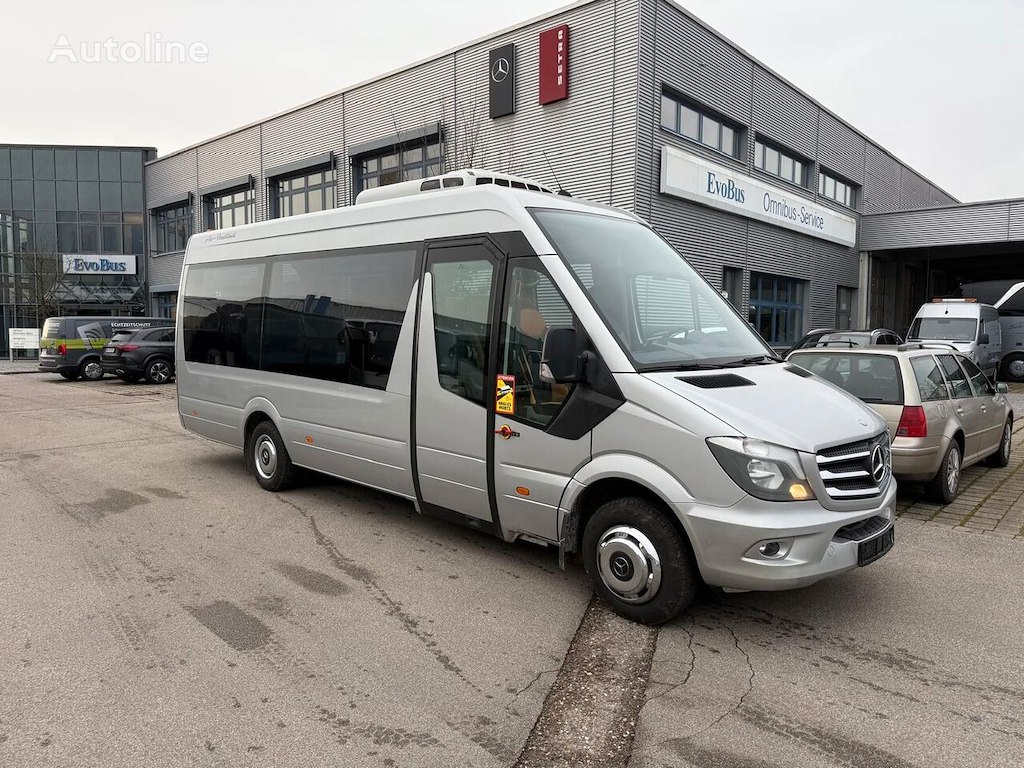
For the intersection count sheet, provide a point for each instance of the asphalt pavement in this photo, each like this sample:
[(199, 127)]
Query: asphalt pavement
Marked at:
[(158, 608)]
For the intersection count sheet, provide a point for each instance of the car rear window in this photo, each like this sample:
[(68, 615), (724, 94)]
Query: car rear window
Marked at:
[(872, 378), (51, 329)]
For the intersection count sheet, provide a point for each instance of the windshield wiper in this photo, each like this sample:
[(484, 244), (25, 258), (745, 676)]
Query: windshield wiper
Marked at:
[(754, 360)]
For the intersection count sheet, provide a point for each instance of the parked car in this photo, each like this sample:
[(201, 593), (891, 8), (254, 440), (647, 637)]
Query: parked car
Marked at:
[(826, 337), (148, 353), (72, 345), (942, 412)]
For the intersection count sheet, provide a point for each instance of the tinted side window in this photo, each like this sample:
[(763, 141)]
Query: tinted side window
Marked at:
[(462, 292), (336, 315), (221, 313), (979, 381), (956, 376), (930, 383)]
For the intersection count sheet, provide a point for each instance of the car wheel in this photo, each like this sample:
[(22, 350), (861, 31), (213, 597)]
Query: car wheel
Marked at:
[(946, 483), (270, 459), (69, 375), (638, 561), (129, 378), (1013, 368), (1002, 456), (159, 371), (91, 370)]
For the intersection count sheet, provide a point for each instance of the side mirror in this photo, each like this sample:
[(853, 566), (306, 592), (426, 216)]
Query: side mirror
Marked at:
[(1001, 388), (983, 339), (560, 361)]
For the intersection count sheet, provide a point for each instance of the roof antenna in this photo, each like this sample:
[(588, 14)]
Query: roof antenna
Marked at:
[(561, 190)]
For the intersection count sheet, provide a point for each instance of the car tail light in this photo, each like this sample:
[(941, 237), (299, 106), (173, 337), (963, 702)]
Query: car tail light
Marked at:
[(127, 347), (62, 349), (913, 422)]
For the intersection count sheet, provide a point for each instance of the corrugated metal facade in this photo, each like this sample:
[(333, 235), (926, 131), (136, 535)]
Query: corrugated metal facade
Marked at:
[(603, 143), (994, 222)]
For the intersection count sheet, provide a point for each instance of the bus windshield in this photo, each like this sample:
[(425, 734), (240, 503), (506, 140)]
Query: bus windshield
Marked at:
[(944, 328), (664, 314)]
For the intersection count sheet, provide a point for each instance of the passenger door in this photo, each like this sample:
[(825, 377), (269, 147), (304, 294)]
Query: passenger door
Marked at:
[(455, 378), (965, 405), (991, 415), (534, 458)]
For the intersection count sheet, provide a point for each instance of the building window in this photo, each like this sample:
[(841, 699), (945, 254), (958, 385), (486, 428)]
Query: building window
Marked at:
[(306, 192), (831, 187), (166, 304), (231, 208), (777, 308), (172, 227), (695, 123), (780, 163), (408, 162)]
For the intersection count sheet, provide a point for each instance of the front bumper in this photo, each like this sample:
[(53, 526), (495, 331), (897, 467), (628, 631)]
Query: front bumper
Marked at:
[(725, 539)]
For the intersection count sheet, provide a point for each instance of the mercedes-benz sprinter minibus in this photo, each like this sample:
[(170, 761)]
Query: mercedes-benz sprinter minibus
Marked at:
[(538, 367)]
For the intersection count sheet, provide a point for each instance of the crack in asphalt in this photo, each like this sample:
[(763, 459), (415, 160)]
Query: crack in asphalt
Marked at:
[(392, 607), (686, 677)]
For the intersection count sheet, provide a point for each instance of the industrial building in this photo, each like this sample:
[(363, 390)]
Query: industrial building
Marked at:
[(778, 201)]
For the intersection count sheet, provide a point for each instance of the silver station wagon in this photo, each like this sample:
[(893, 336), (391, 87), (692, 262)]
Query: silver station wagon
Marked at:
[(942, 412)]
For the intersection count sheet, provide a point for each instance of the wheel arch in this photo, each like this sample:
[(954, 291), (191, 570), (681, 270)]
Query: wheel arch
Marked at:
[(615, 476), (257, 410)]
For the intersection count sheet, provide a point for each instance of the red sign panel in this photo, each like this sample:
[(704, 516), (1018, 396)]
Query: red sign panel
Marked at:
[(554, 64)]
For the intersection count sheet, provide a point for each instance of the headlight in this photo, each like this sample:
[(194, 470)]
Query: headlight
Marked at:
[(764, 470)]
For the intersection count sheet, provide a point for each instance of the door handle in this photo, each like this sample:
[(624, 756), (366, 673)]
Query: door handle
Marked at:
[(959, 411), (984, 409)]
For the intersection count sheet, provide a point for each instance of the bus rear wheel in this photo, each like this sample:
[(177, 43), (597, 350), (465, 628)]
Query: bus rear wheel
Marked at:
[(269, 458)]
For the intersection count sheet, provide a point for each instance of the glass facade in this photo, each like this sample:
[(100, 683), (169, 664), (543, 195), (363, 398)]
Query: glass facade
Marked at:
[(68, 201)]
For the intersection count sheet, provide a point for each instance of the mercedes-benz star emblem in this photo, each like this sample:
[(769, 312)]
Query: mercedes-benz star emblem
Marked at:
[(500, 70), (878, 464), (621, 567)]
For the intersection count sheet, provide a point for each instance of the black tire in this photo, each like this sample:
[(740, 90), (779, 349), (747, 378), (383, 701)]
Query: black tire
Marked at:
[(91, 370), (946, 483), (159, 371), (69, 375), (1012, 368), (614, 555), (266, 454), (1002, 455), (129, 378)]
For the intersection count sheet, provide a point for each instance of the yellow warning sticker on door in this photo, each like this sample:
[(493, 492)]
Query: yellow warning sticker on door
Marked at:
[(505, 401)]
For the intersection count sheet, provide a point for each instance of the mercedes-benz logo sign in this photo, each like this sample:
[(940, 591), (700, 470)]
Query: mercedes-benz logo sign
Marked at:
[(878, 463), (500, 70)]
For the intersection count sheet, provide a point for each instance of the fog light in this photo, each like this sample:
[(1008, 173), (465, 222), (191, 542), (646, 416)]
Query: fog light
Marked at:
[(800, 492), (770, 548)]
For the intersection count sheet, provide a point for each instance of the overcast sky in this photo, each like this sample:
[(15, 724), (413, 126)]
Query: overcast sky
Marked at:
[(940, 83)]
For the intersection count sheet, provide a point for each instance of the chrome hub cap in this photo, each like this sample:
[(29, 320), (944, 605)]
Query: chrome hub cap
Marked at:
[(265, 457), (1016, 369), (92, 370), (629, 564), (953, 471)]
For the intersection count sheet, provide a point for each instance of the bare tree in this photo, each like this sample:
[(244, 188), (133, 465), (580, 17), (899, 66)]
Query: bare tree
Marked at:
[(37, 284)]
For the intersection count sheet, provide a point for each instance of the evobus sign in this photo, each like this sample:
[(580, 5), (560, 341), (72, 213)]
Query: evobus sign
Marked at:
[(78, 264), (693, 178)]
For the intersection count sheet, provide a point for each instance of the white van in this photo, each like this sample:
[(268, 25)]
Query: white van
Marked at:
[(1007, 296), (538, 367), (965, 324)]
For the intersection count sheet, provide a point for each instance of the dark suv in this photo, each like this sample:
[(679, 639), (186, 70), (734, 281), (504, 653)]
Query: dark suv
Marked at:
[(148, 353)]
